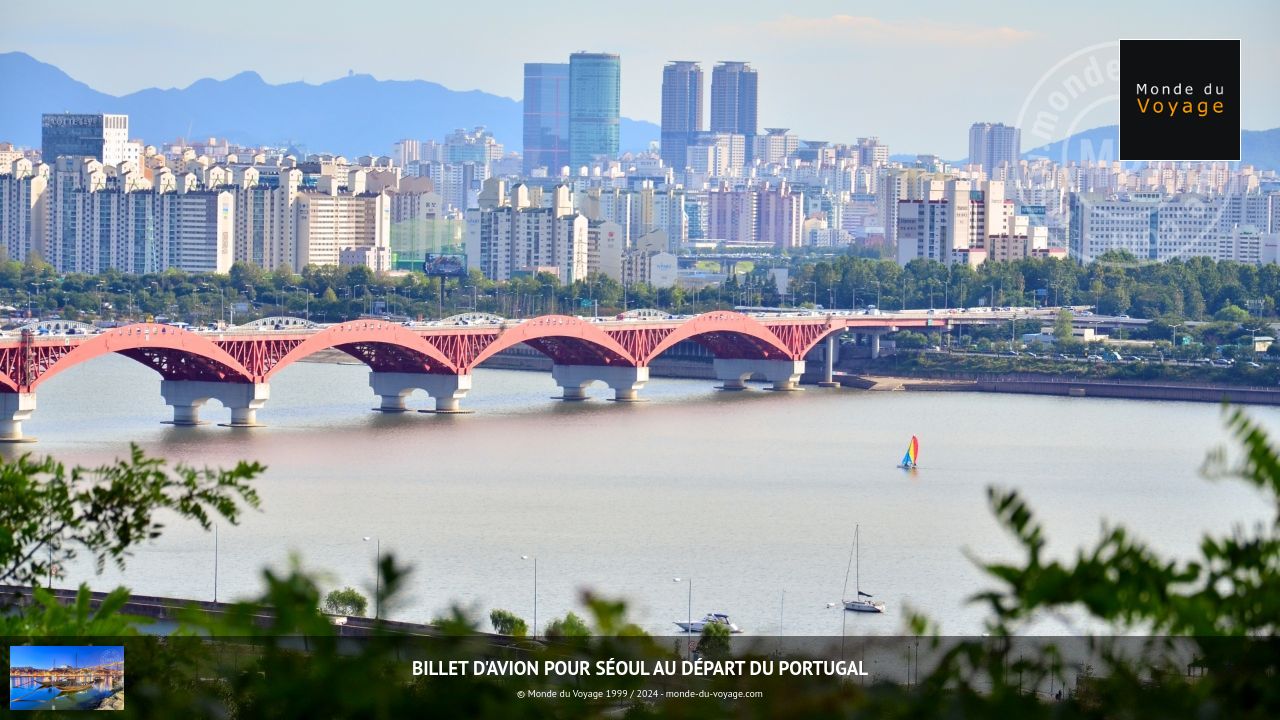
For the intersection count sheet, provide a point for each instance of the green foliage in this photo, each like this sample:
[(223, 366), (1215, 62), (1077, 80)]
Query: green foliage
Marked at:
[(506, 622), (958, 365), (1232, 314), (50, 515), (49, 617), (570, 626), (714, 641), (279, 656), (347, 601), (1063, 326)]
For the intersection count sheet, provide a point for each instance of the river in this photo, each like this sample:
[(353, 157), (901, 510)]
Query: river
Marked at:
[(754, 496)]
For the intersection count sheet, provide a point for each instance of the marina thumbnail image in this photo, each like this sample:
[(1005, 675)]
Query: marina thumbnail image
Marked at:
[(66, 677)]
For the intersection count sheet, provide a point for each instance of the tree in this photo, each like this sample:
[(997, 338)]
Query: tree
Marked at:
[(49, 515), (571, 626), (347, 601), (1063, 325), (714, 641), (1232, 313), (506, 622)]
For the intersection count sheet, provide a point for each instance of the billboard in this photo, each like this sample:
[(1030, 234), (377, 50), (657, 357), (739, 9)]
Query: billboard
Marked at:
[(445, 265)]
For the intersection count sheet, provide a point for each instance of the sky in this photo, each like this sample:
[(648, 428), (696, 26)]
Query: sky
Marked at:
[(45, 657), (916, 74)]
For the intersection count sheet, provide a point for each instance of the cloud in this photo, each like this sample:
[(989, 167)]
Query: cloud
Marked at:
[(871, 30)]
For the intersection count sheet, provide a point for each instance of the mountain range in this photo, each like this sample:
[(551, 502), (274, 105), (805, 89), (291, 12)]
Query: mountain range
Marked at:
[(345, 115), (353, 115), (1259, 148)]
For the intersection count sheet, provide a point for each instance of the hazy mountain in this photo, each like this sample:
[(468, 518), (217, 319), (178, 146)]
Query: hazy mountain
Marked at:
[(1259, 148), (353, 115)]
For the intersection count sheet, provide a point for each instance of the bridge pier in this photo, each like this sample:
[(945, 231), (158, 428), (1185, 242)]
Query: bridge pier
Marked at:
[(734, 372), (188, 396), (829, 362), (394, 388), (875, 345), (626, 381), (14, 409)]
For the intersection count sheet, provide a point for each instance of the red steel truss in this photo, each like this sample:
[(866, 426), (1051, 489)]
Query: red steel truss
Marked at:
[(254, 355)]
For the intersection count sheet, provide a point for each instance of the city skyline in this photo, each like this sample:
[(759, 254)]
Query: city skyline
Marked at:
[(815, 60)]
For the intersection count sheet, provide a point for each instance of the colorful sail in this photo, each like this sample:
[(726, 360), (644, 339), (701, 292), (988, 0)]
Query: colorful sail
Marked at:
[(913, 452)]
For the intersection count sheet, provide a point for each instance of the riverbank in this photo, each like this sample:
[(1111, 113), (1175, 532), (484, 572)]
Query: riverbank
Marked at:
[(114, 701), (893, 375)]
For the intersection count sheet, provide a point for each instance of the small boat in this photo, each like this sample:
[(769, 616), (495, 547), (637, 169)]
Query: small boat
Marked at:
[(913, 452), (708, 619), (858, 603), (69, 688)]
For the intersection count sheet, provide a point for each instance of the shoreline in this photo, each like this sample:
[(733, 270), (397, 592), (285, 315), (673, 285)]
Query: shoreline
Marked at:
[(1018, 384)]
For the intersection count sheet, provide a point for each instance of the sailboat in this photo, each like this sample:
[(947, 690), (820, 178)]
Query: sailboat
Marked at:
[(858, 603), (913, 452), (68, 687)]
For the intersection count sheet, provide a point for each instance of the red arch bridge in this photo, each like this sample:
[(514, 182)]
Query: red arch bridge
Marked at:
[(235, 365)]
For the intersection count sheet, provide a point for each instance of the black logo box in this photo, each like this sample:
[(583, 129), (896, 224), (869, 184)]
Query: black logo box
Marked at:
[(1188, 65)]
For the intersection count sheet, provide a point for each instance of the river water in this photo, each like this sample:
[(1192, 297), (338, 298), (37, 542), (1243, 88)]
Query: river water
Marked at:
[(754, 496)]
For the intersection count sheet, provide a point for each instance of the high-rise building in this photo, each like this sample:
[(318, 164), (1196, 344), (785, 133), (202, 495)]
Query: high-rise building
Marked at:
[(104, 138), (508, 233), (1158, 226), (773, 215), (734, 87), (993, 145), (681, 110), (329, 222), (22, 209), (595, 82), (957, 221), (546, 117)]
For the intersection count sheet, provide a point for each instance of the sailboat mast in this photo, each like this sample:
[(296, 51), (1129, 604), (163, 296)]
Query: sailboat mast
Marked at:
[(845, 592), (857, 578)]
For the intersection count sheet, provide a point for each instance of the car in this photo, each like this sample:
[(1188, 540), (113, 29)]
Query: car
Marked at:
[(1031, 354), (1253, 364)]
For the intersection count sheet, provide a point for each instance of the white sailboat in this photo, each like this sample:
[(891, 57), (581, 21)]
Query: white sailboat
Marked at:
[(861, 601)]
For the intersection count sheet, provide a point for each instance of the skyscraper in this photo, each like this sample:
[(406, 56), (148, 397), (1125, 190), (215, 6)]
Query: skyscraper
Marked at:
[(595, 81), (681, 110), (101, 137), (991, 145), (546, 116), (734, 88)]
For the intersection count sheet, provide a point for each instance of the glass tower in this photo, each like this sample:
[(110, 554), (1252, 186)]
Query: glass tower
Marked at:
[(734, 101), (546, 116), (681, 110), (595, 81)]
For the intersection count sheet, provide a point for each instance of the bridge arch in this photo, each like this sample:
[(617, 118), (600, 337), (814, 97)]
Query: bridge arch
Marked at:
[(566, 340), (175, 353), (382, 345), (728, 335)]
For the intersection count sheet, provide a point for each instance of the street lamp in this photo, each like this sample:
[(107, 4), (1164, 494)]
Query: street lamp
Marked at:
[(815, 293), (215, 562), (377, 588), (535, 592)]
